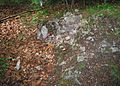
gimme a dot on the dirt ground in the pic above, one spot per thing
(44, 64)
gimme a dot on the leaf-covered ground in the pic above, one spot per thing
(44, 64)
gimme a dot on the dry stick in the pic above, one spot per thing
(11, 16)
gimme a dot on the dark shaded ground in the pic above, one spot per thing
(6, 11)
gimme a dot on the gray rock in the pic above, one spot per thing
(114, 49)
(82, 48)
(76, 10)
(39, 67)
(62, 63)
(104, 44)
(80, 58)
(67, 38)
(44, 32)
(17, 67)
(90, 38)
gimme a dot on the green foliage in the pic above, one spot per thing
(39, 15)
(103, 7)
(3, 66)
(117, 31)
(36, 2)
(114, 71)
(14, 2)
(2, 2)
(103, 10)
(45, 12)
(53, 2)
(82, 66)
(34, 19)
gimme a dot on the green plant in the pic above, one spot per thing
(101, 9)
(38, 16)
(81, 66)
(114, 71)
(45, 12)
(14, 2)
(106, 7)
(53, 2)
(34, 19)
(2, 2)
(3, 66)
(117, 31)
(36, 2)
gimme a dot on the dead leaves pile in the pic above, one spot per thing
(37, 58)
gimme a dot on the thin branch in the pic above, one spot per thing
(12, 16)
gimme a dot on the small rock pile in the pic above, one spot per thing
(63, 30)
(78, 39)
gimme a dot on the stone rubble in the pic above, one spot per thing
(68, 33)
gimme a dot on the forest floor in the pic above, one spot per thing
(32, 62)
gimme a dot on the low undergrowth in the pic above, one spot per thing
(3, 66)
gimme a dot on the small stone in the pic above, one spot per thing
(85, 32)
(80, 58)
(90, 39)
(80, 15)
(91, 55)
(67, 38)
(63, 49)
(61, 46)
(78, 82)
(114, 49)
(44, 32)
(82, 49)
(62, 63)
(114, 44)
(76, 10)
(104, 44)
(38, 67)
(68, 14)
(17, 65)
(37, 54)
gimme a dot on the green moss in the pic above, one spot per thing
(3, 66)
